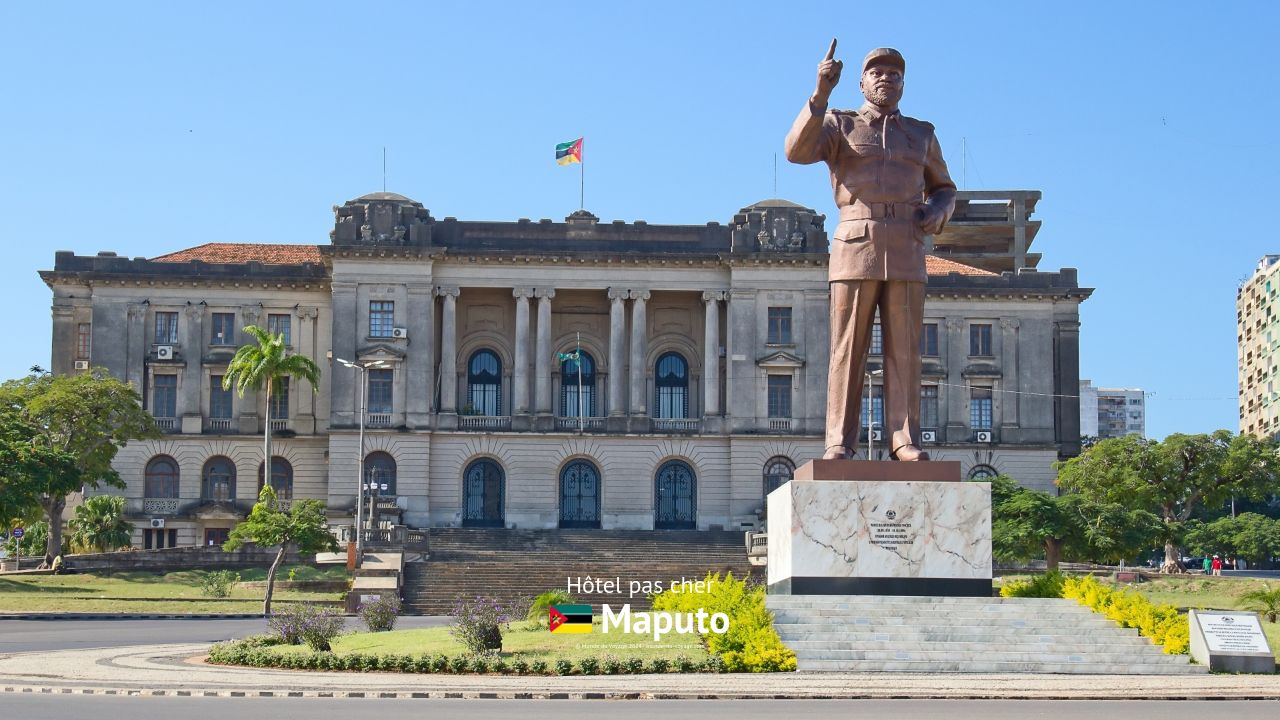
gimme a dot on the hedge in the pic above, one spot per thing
(751, 643)
(1162, 623)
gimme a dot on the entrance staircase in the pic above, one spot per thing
(510, 564)
(865, 633)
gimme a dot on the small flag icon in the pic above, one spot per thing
(569, 618)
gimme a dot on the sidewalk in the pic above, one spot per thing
(178, 670)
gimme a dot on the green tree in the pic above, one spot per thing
(99, 525)
(1171, 478)
(1028, 523)
(77, 424)
(1254, 537)
(261, 366)
(302, 526)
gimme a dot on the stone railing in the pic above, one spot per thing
(220, 425)
(590, 424)
(167, 424)
(278, 425)
(159, 506)
(781, 424)
(676, 425)
(377, 420)
(484, 422)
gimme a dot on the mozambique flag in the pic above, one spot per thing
(570, 618)
(569, 152)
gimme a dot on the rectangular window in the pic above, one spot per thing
(84, 335)
(166, 328)
(980, 408)
(980, 339)
(928, 406)
(779, 396)
(278, 324)
(929, 340)
(877, 339)
(381, 316)
(280, 399)
(224, 329)
(779, 326)
(164, 396)
(873, 408)
(379, 391)
(219, 399)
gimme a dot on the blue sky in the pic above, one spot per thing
(146, 128)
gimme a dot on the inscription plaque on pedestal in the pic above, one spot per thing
(1230, 642)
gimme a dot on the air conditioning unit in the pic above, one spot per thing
(82, 364)
(164, 352)
(929, 436)
(877, 435)
(401, 333)
(984, 436)
(157, 522)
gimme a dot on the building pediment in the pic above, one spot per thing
(932, 369)
(986, 370)
(781, 360)
(216, 511)
(380, 351)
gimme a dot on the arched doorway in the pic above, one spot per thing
(580, 495)
(675, 497)
(482, 495)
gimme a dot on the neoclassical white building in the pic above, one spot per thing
(539, 374)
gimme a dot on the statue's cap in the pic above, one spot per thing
(885, 55)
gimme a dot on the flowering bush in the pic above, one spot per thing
(380, 615)
(478, 624)
(309, 624)
(751, 643)
(219, 583)
(1162, 623)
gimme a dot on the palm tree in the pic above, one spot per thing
(99, 525)
(1266, 601)
(260, 366)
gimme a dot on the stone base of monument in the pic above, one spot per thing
(851, 527)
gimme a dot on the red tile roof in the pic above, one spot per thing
(266, 253)
(934, 265)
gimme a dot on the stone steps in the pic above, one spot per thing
(917, 634)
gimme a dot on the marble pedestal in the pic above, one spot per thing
(881, 537)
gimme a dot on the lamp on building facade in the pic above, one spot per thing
(361, 372)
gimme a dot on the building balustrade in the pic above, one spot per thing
(278, 425)
(781, 424)
(167, 424)
(590, 424)
(220, 425)
(676, 425)
(484, 422)
(374, 420)
(160, 506)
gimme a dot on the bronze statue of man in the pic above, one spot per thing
(892, 188)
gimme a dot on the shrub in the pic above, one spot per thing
(219, 583)
(519, 666)
(633, 665)
(685, 664)
(380, 615)
(309, 624)
(589, 665)
(478, 623)
(1265, 601)
(439, 663)
(609, 665)
(459, 664)
(564, 667)
(538, 608)
(539, 667)
(1161, 623)
(479, 664)
(659, 665)
(712, 664)
(750, 644)
(1048, 585)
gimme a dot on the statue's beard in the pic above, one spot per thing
(884, 97)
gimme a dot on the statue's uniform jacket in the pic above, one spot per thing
(882, 168)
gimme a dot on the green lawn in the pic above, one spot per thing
(519, 640)
(1207, 593)
(143, 591)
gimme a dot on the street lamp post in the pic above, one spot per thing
(871, 415)
(361, 371)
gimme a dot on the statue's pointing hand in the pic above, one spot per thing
(828, 74)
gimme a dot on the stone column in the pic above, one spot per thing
(306, 342)
(520, 371)
(955, 353)
(617, 341)
(711, 353)
(192, 370)
(419, 365)
(639, 347)
(542, 357)
(1008, 401)
(343, 391)
(1066, 386)
(449, 358)
(248, 405)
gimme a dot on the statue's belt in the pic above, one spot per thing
(878, 211)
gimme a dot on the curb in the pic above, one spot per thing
(130, 616)
(513, 695)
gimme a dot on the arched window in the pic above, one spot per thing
(982, 472)
(380, 468)
(482, 495)
(580, 495)
(578, 384)
(161, 478)
(281, 478)
(218, 483)
(675, 497)
(484, 383)
(672, 384)
(778, 471)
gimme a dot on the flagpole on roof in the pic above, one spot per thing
(582, 183)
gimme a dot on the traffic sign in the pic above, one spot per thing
(18, 533)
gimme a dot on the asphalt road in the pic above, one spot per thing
(54, 707)
(34, 635)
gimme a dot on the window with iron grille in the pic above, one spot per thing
(224, 329)
(779, 325)
(874, 404)
(84, 335)
(778, 471)
(980, 339)
(929, 340)
(380, 391)
(980, 408)
(671, 383)
(164, 396)
(578, 386)
(779, 396)
(166, 328)
(381, 317)
(928, 406)
(484, 383)
(219, 399)
(280, 399)
(877, 339)
(279, 324)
